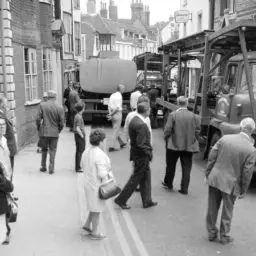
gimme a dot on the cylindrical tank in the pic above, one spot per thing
(104, 75)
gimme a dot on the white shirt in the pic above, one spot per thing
(5, 155)
(115, 102)
(134, 99)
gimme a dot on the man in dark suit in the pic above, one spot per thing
(141, 154)
(50, 122)
(181, 132)
(66, 101)
(228, 173)
(10, 135)
(73, 100)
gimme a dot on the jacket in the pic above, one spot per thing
(5, 187)
(139, 139)
(231, 163)
(182, 130)
(50, 119)
(10, 135)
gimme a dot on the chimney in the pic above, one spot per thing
(147, 16)
(91, 6)
(113, 11)
(103, 10)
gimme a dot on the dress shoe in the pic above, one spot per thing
(43, 169)
(150, 204)
(183, 192)
(123, 145)
(112, 150)
(166, 186)
(212, 238)
(51, 172)
(97, 236)
(137, 190)
(226, 240)
(123, 206)
(80, 170)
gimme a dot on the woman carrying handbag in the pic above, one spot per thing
(96, 166)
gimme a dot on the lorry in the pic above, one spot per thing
(226, 90)
(99, 78)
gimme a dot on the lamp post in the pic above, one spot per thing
(2, 6)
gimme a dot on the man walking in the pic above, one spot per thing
(73, 100)
(134, 97)
(66, 101)
(181, 132)
(50, 122)
(229, 171)
(10, 135)
(141, 154)
(115, 115)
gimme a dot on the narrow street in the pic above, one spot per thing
(52, 210)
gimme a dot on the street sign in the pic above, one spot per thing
(182, 16)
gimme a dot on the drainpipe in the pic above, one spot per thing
(2, 6)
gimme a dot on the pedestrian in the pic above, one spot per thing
(39, 144)
(96, 166)
(79, 134)
(115, 115)
(50, 121)
(134, 97)
(10, 134)
(67, 103)
(5, 185)
(228, 173)
(73, 100)
(141, 154)
(153, 94)
(181, 132)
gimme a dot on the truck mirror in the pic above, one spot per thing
(239, 109)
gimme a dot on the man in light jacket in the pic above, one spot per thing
(229, 171)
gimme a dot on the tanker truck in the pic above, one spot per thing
(99, 78)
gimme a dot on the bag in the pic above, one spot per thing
(13, 212)
(108, 189)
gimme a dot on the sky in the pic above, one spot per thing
(160, 10)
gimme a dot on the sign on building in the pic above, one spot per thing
(182, 16)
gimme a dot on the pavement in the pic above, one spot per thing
(52, 210)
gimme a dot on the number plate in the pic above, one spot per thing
(105, 101)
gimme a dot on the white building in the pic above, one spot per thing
(170, 32)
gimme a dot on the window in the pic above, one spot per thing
(67, 18)
(230, 84)
(47, 69)
(83, 46)
(77, 4)
(243, 85)
(77, 39)
(105, 42)
(30, 74)
(199, 22)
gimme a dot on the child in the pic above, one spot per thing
(79, 134)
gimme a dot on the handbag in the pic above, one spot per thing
(13, 209)
(109, 188)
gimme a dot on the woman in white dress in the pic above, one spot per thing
(96, 166)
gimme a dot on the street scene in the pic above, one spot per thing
(127, 127)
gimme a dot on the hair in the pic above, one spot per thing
(120, 87)
(3, 99)
(143, 107)
(182, 101)
(142, 99)
(80, 106)
(247, 125)
(97, 136)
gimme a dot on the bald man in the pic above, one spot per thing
(229, 171)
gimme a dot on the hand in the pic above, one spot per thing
(109, 117)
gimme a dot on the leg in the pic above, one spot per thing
(167, 169)
(173, 157)
(226, 216)
(53, 142)
(44, 141)
(7, 237)
(120, 138)
(214, 201)
(116, 128)
(88, 224)
(145, 186)
(80, 147)
(186, 164)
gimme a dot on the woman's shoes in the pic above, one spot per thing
(7, 240)
(97, 236)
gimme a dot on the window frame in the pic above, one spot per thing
(48, 72)
(228, 75)
(77, 4)
(31, 89)
(77, 39)
(68, 36)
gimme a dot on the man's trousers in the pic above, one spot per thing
(215, 197)
(117, 137)
(80, 147)
(141, 176)
(186, 166)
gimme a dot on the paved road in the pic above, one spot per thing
(53, 208)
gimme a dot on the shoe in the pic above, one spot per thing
(7, 240)
(87, 229)
(150, 204)
(123, 145)
(123, 206)
(137, 190)
(80, 170)
(183, 192)
(212, 238)
(43, 169)
(51, 172)
(164, 185)
(97, 236)
(226, 240)
(112, 150)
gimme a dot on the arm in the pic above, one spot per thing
(141, 140)
(78, 123)
(212, 157)
(61, 119)
(39, 117)
(102, 168)
(247, 172)
(5, 185)
(198, 126)
(168, 127)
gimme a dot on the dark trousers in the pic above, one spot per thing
(141, 176)
(186, 166)
(72, 117)
(49, 143)
(7, 225)
(80, 147)
(68, 117)
(215, 197)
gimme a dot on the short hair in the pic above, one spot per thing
(248, 125)
(120, 86)
(76, 86)
(2, 119)
(182, 101)
(52, 94)
(80, 106)
(143, 107)
(142, 98)
(97, 136)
